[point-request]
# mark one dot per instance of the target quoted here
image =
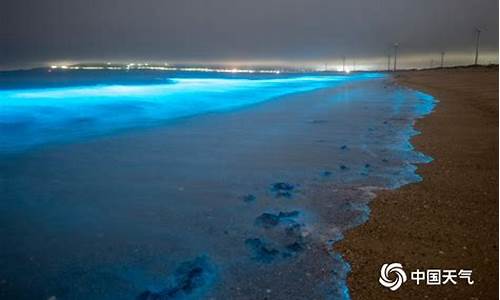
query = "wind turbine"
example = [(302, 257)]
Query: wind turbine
[(478, 34), (396, 45), (389, 61)]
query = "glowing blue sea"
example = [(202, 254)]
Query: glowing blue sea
[(152, 185), (37, 116)]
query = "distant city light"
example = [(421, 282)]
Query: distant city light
[(164, 67)]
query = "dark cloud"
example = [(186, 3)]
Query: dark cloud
[(34, 31)]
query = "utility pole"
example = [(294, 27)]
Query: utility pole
[(396, 45), (343, 63), (432, 63), (326, 67), (442, 59), (478, 34)]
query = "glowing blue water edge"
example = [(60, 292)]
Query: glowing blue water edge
[(31, 117), (236, 202)]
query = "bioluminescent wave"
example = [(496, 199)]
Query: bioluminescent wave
[(30, 117)]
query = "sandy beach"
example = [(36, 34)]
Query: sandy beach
[(450, 219)]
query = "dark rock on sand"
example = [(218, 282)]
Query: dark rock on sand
[(289, 214), (294, 230), (326, 173), (283, 189), (295, 247), (268, 220), (289, 242), (189, 279), (283, 186), (261, 250), (249, 198)]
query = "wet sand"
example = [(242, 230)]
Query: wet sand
[(450, 219)]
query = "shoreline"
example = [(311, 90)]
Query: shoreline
[(450, 219)]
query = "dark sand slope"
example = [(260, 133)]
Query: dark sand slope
[(450, 220)]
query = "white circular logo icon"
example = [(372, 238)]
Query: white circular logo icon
[(396, 282)]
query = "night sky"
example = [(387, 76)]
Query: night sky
[(297, 32)]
